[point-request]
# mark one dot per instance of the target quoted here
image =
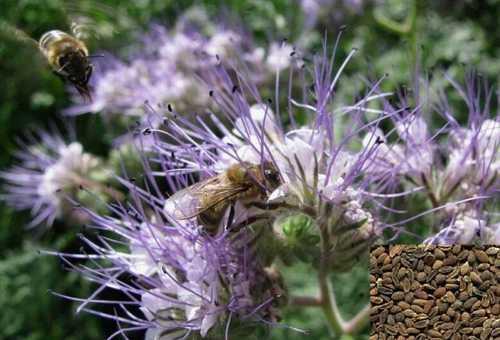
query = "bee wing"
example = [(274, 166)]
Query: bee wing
[(93, 19), (15, 33), (190, 202)]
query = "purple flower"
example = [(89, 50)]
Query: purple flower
[(456, 167), (319, 173), (184, 281), (166, 70), (48, 168)]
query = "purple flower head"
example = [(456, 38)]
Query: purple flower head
[(184, 281), (48, 168), (456, 166), (165, 72), (318, 172)]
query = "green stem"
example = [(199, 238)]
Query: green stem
[(329, 304), (358, 322)]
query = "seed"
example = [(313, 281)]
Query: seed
[(492, 251), (479, 312), (476, 305), (397, 296), (404, 305), (434, 333), (439, 292), (395, 309), (377, 251), (439, 254), (437, 264), (421, 277), (476, 322), (412, 330), (468, 304), (395, 250), (417, 309), (482, 256), (449, 297), (409, 313), (422, 323), (466, 330), (464, 268), (485, 333), (421, 294), (450, 260), (475, 278)]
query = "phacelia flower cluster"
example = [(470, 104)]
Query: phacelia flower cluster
[(456, 167), (166, 69), (48, 169)]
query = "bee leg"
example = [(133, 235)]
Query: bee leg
[(230, 217), (88, 73), (59, 75)]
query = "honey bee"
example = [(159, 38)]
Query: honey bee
[(69, 58), (208, 200), (65, 53)]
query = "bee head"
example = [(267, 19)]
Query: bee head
[(271, 176), (77, 69)]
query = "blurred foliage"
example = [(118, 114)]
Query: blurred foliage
[(442, 35)]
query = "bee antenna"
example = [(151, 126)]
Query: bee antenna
[(95, 56)]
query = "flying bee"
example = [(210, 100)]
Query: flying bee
[(69, 58), (65, 53), (208, 200)]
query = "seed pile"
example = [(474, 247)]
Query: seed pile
[(435, 292)]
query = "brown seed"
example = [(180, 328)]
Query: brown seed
[(412, 330), (478, 321), (450, 260), (397, 296), (429, 259), (471, 258), (417, 309), (434, 333), (456, 249), (421, 277), (437, 264), (395, 250), (404, 305), (465, 316), (449, 297), (422, 323), (439, 254), (476, 305), (377, 251), (421, 294), (482, 256), (492, 251), (483, 266), (468, 304), (395, 309), (466, 330), (475, 278), (463, 296), (445, 318), (439, 292), (409, 313), (464, 268), (479, 312), (485, 333)]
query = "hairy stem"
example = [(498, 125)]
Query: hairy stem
[(305, 301)]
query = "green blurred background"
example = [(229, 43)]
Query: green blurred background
[(444, 35)]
